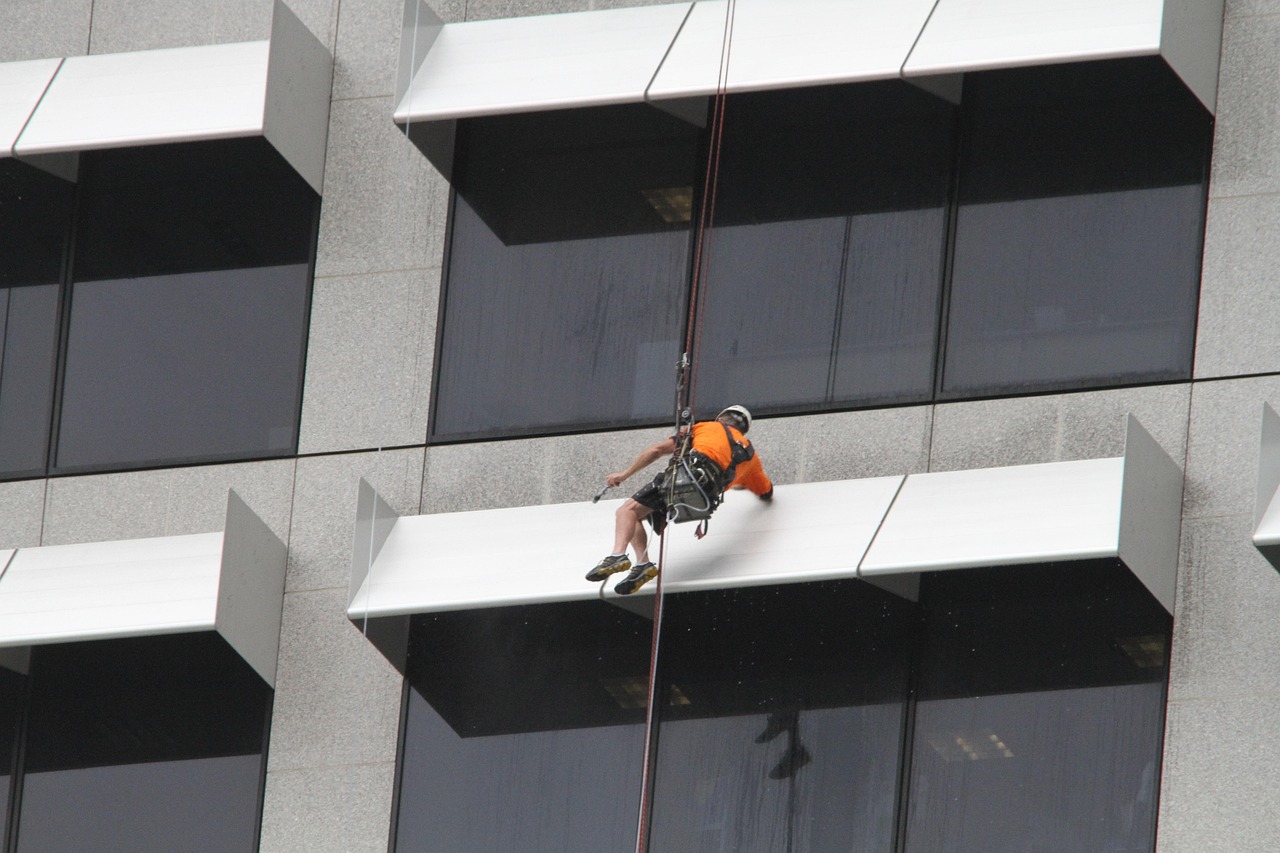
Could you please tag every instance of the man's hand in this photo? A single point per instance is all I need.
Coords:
(616, 479)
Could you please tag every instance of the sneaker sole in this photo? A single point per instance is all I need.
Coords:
(633, 585)
(601, 574)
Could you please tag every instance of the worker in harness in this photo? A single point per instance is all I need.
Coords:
(707, 459)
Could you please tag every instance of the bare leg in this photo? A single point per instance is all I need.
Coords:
(640, 542)
(628, 530)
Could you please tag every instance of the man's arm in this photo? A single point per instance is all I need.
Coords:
(646, 458)
(751, 475)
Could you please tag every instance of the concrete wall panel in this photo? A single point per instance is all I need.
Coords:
(384, 205)
(328, 810)
(368, 48)
(167, 502)
(1225, 634)
(1220, 776)
(1246, 150)
(369, 358)
(1242, 8)
(21, 513)
(1239, 324)
(324, 516)
(122, 26)
(1222, 459)
(525, 472)
(852, 445)
(337, 698)
(1056, 428)
(42, 29)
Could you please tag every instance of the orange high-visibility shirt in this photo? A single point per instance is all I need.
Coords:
(709, 440)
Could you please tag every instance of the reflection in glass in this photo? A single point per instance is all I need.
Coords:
(1041, 705)
(1079, 231)
(143, 745)
(10, 699)
(783, 720)
(824, 267)
(191, 283)
(177, 367)
(565, 298)
(35, 210)
(524, 730)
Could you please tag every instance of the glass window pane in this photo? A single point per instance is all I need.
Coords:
(1079, 232)
(34, 221)
(1040, 711)
(568, 260)
(825, 263)
(143, 745)
(782, 721)
(538, 713)
(10, 703)
(192, 282)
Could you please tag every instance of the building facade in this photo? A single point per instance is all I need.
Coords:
(340, 360)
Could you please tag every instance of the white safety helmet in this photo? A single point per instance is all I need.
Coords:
(740, 414)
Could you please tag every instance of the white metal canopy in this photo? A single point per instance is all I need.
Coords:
(875, 529)
(230, 582)
(576, 59)
(798, 43)
(979, 35)
(670, 52)
(278, 89)
(22, 84)
(1266, 517)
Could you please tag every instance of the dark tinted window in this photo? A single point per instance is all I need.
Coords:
(10, 699)
(1011, 709)
(35, 211)
(1053, 221)
(565, 299)
(1079, 231)
(154, 744)
(1040, 709)
(824, 267)
(524, 730)
(782, 720)
(188, 307)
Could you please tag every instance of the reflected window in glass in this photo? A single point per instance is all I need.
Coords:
(35, 215)
(143, 745)
(567, 267)
(189, 307)
(1040, 711)
(11, 685)
(536, 712)
(782, 719)
(824, 266)
(1079, 229)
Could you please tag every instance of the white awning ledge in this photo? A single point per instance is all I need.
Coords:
(782, 45)
(1266, 516)
(22, 85)
(1128, 507)
(670, 54)
(542, 62)
(980, 35)
(278, 89)
(230, 582)
(885, 530)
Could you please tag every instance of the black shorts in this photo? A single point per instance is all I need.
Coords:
(653, 495)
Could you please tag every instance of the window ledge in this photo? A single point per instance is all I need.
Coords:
(230, 582)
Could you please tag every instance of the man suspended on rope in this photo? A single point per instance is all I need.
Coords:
(717, 456)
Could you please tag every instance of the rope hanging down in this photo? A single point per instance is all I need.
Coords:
(686, 382)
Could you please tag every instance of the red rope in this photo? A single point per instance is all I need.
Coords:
(693, 342)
